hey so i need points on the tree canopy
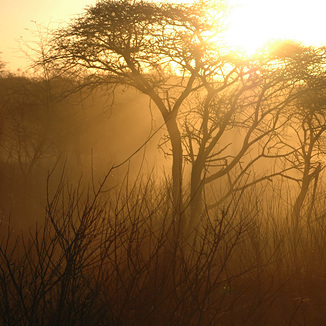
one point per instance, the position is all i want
(175, 54)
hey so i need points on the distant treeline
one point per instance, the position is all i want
(52, 123)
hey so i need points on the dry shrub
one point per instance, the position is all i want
(118, 258)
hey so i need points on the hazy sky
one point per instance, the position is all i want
(16, 16)
(257, 21)
(253, 23)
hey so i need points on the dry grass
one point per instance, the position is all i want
(122, 261)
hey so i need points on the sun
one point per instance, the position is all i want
(253, 23)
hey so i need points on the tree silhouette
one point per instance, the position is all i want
(160, 49)
(234, 131)
(2, 67)
(301, 144)
(175, 55)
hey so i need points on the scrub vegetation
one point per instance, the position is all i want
(150, 175)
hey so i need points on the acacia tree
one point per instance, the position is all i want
(161, 50)
(170, 53)
(2, 67)
(299, 147)
(34, 111)
(309, 155)
(232, 130)
(29, 107)
(306, 127)
(2, 70)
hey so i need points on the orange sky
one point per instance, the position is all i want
(254, 22)
(257, 21)
(16, 16)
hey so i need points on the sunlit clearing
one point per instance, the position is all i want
(255, 22)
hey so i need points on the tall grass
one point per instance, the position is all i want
(118, 258)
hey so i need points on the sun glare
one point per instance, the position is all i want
(255, 22)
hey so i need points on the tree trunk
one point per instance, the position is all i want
(177, 164)
(196, 192)
(306, 180)
(296, 215)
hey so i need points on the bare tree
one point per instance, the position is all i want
(2, 67)
(285, 92)
(232, 130)
(33, 105)
(306, 129)
(160, 49)
(171, 53)
(308, 157)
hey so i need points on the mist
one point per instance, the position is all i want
(152, 175)
(82, 135)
